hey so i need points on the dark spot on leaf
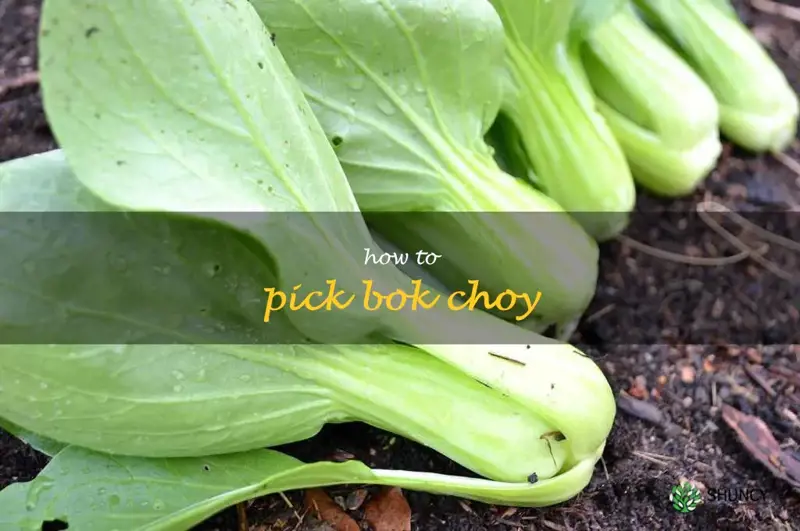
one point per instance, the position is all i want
(206, 468)
(528, 347)
(337, 141)
(272, 37)
(261, 65)
(217, 268)
(91, 31)
(270, 189)
(203, 310)
(555, 435)
(45, 32)
(120, 162)
(533, 478)
(97, 115)
(54, 525)
(552, 386)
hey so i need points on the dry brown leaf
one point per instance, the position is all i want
(326, 510)
(758, 440)
(389, 511)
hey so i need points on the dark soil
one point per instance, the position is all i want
(687, 339)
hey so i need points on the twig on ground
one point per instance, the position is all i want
(774, 8)
(21, 81)
(791, 164)
(684, 258)
(760, 380)
(755, 255)
(241, 513)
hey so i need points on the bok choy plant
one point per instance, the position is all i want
(758, 107)
(156, 228)
(663, 115)
(575, 157)
(406, 91)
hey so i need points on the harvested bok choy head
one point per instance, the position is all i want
(164, 399)
(758, 107)
(405, 91)
(575, 157)
(186, 135)
(663, 115)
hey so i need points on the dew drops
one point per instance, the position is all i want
(117, 263)
(178, 375)
(178, 388)
(386, 107)
(43, 385)
(339, 62)
(418, 86)
(245, 377)
(356, 82)
(402, 89)
(163, 270)
(212, 269)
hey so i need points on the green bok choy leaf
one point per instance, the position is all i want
(93, 492)
(575, 157)
(222, 126)
(405, 91)
(758, 107)
(195, 400)
(664, 116)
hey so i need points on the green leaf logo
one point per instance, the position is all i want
(685, 497)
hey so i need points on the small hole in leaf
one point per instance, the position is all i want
(337, 141)
(54, 525)
(206, 468)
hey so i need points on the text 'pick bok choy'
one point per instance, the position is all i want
(758, 107)
(405, 91)
(575, 157)
(664, 116)
(216, 131)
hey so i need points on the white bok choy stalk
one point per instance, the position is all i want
(662, 113)
(219, 137)
(405, 91)
(575, 157)
(758, 107)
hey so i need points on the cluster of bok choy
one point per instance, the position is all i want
(209, 149)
